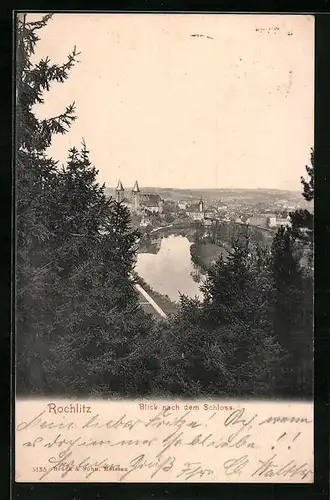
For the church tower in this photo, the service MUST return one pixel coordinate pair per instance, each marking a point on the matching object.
(201, 205)
(119, 192)
(136, 197)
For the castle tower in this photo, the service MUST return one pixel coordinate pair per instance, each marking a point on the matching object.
(136, 197)
(119, 192)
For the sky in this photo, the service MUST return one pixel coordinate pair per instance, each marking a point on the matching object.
(233, 108)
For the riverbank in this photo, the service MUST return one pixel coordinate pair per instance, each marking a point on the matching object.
(205, 255)
(163, 301)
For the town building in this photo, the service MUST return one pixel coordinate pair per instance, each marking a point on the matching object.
(139, 203)
(272, 221)
(144, 222)
(210, 214)
(182, 205)
(283, 221)
(196, 212)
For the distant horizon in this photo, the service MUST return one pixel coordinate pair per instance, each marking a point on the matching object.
(128, 187)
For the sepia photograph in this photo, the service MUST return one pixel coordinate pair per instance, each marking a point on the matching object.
(164, 186)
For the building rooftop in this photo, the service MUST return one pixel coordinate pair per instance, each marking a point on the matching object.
(119, 186)
(150, 203)
(146, 199)
(136, 188)
(193, 208)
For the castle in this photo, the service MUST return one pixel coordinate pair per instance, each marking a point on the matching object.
(139, 202)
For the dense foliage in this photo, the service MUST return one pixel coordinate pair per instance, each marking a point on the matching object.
(253, 333)
(75, 299)
(79, 326)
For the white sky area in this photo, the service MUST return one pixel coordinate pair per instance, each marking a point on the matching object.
(156, 104)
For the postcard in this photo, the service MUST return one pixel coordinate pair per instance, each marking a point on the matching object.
(164, 186)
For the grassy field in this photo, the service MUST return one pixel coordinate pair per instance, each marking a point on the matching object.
(209, 252)
(163, 301)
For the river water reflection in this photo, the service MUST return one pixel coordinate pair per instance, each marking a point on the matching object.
(170, 270)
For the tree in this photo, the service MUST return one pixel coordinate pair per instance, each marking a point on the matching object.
(79, 324)
(308, 185)
(169, 218)
(287, 283)
(303, 220)
(233, 347)
(199, 232)
(35, 187)
(208, 348)
(293, 318)
(227, 286)
(293, 275)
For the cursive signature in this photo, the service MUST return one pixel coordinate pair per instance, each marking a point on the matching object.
(271, 468)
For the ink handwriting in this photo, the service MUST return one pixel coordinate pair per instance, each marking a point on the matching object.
(169, 446)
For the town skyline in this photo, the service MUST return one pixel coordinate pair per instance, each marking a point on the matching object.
(231, 108)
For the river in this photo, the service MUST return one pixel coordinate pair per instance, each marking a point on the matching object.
(170, 271)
